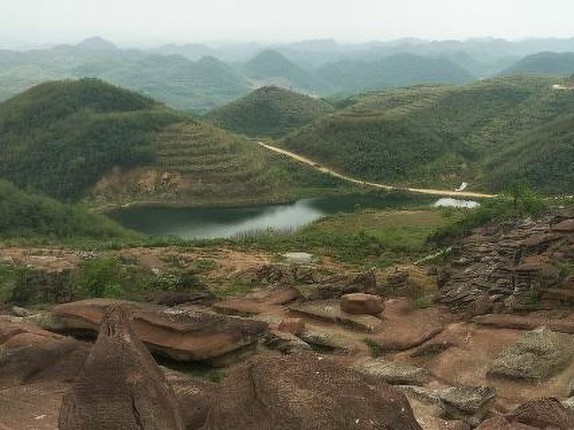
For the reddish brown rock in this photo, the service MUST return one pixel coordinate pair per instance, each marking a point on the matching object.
(13, 335)
(294, 326)
(542, 414)
(305, 392)
(501, 423)
(120, 387)
(565, 226)
(403, 329)
(518, 322)
(360, 303)
(257, 302)
(186, 333)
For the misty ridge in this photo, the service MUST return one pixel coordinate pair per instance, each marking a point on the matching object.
(198, 77)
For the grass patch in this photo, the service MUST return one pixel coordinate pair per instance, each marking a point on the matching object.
(238, 287)
(566, 268)
(368, 238)
(376, 349)
(518, 202)
(204, 265)
(14, 284)
(423, 302)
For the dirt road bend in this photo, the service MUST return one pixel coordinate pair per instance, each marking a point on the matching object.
(328, 171)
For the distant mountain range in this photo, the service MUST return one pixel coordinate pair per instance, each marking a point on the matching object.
(197, 77)
(544, 63)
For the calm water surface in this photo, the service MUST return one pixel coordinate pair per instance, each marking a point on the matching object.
(228, 222)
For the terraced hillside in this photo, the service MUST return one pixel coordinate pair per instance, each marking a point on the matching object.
(87, 139)
(432, 135)
(269, 111)
(198, 164)
(61, 137)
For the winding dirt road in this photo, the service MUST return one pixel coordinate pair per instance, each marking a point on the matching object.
(448, 193)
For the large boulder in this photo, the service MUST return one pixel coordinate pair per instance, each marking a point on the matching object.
(257, 302)
(43, 361)
(536, 356)
(37, 367)
(305, 392)
(404, 327)
(18, 334)
(120, 387)
(360, 303)
(469, 404)
(392, 372)
(330, 310)
(546, 413)
(184, 333)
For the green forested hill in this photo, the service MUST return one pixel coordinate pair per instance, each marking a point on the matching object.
(544, 63)
(432, 135)
(61, 137)
(87, 139)
(393, 71)
(198, 164)
(24, 214)
(543, 158)
(269, 111)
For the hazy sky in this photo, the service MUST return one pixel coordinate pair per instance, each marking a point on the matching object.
(150, 21)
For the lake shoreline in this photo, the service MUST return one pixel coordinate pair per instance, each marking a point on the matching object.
(226, 222)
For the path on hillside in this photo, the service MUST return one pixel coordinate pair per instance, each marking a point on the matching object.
(449, 193)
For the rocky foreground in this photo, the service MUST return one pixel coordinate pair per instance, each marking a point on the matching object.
(309, 349)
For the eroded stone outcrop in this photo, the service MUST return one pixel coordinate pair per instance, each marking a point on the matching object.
(183, 333)
(120, 387)
(533, 415)
(360, 303)
(306, 392)
(511, 266)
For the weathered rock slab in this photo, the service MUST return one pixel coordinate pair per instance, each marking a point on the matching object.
(185, 333)
(536, 356)
(330, 310)
(546, 413)
(392, 372)
(360, 303)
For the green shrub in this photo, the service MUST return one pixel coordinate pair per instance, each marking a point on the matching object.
(30, 215)
(14, 284)
(100, 276)
(376, 349)
(423, 302)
